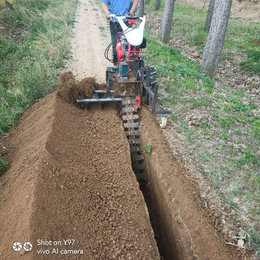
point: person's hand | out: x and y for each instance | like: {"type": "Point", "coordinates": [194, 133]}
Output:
{"type": "Point", "coordinates": [131, 12]}
{"type": "Point", "coordinates": [107, 16]}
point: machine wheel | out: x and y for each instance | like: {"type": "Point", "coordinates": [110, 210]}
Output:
{"type": "Point", "coordinates": [109, 82]}
{"type": "Point", "coordinates": [150, 82]}
{"type": "Point", "coordinates": [141, 63]}
{"type": "Point", "coordinates": [144, 93]}
{"type": "Point", "coordinates": [153, 80]}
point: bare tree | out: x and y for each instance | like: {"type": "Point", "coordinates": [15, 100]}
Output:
{"type": "Point", "coordinates": [216, 38]}
{"type": "Point", "coordinates": [209, 16]}
{"type": "Point", "coordinates": [165, 31]}
{"type": "Point", "coordinates": [157, 4]}
{"type": "Point", "coordinates": [140, 10]}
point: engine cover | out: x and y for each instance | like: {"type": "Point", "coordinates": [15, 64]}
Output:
{"type": "Point", "coordinates": [120, 51]}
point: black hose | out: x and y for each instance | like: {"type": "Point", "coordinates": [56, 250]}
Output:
{"type": "Point", "coordinates": [106, 53]}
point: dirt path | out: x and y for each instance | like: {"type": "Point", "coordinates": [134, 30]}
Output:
{"type": "Point", "coordinates": [245, 9]}
{"type": "Point", "coordinates": [91, 37]}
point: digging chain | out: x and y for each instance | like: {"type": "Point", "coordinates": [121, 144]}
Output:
{"type": "Point", "coordinates": [131, 126]}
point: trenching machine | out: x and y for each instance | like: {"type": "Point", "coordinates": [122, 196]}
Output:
{"type": "Point", "coordinates": [137, 84]}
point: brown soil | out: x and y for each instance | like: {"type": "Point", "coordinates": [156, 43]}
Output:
{"type": "Point", "coordinates": [70, 177]}
{"type": "Point", "coordinates": [91, 37]}
{"type": "Point", "coordinates": [245, 9]}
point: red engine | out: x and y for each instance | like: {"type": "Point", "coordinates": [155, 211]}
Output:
{"type": "Point", "coordinates": [127, 53]}
{"type": "Point", "coordinates": [120, 51]}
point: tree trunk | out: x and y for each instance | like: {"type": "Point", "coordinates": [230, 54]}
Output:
{"type": "Point", "coordinates": [140, 10]}
{"type": "Point", "coordinates": [165, 31]}
{"type": "Point", "coordinates": [209, 16]}
{"type": "Point", "coordinates": [216, 38]}
{"type": "Point", "coordinates": [157, 4]}
{"type": "Point", "coordinates": [147, 2]}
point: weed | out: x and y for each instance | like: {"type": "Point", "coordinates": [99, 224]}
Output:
{"type": "Point", "coordinates": [255, 126]}
{"type": "Point", "coordinates": [249, 157]}
{"type": "Point", "coordinates": [226, 122]}
{"type": "Point", "coordinates": [3, 164]}
{"type": "Point", "coordinates": [232, 150]}
{"type": "Point", "coordinates": [255, 241]}
{"type": "Point", "coordinates": [252, 63]}
{"type": "Point", "coordinates": [148, 148]}
{"type": "Point", "coordinates": [224, 135]}
{"type": "Point", "coordinates": [214, 113]}
{"type": "Point", "coordinates": [199, 36]}
{"type": "Point", "coordinates": [201, 101]}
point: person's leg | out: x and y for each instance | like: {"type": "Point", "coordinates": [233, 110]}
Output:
{"type": "Point", "coordinates": [113, 33]}
{"type": "Point", "coordinates": [114, 29]}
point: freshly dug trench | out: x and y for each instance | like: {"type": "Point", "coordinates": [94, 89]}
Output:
{"type": "Point", "coordinates": [70, 177]}
{"type": "Point", "coordinates": [185, 230]}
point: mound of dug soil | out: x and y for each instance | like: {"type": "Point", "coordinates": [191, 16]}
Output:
{"type": "Point", "coordinates": [70, 181]}
{"type": "Point", "coordinates": [69, 87]}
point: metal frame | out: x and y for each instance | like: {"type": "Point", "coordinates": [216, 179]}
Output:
{"type": "Point", "coordinates": [96, 99]}
{"type": "Point", "coordinates": [150, 94]}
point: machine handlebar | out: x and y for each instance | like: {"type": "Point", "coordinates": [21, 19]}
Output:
{"type": "Point", "coordinates": [128, 16]}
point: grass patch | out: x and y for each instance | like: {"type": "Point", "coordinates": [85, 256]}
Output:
{"type": "Point", "coordinates": [221, 123]}
{"type": "Point", "coordinates": [252, 63]}
{"type": "Point", "coordinates": [31, 56]}
{"type": "Point", "coordinates": [242, 35]}
{"type": "Point", "coordinates": [183, 72]}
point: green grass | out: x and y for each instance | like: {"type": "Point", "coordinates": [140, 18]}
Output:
{"type": "Point", "coordinates": [3, 164]}
{"type": "Point", "coordinates": [182, 71]}
{"type": "Point", "coordinates": [241, 34]}
{"type": "Point", "coordinates": [225, 134]}
{"type": "Point", "coordinates": [31, 57]}
{"type": "Point", "coordinates": [252, 62]}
